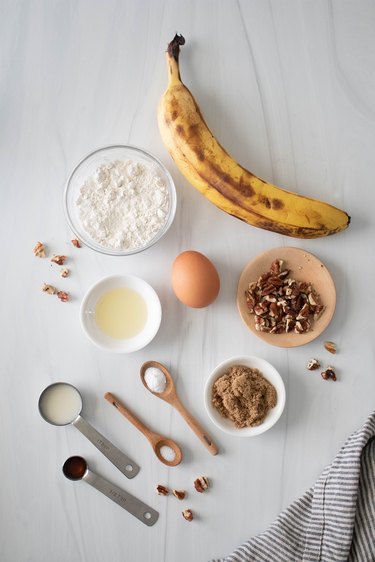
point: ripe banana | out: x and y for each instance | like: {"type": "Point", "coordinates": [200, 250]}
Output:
{"type": "Point", "coordinates": [232, 188]}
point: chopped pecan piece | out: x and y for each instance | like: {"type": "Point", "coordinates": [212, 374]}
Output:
{"type": "Point", "coordinates": [63, 296]}
{"type": "Point", "coordinates": [60, 260]}
{"type": "Point", "coordinates": [39, 250]}
{"type": "Point", "coordinates": [188, 514]}
{"type": "Point", "coordinates": [276, 266]}
{"type": "Point", "coordinates": [282, 304]}
{"type": "Point", "coordinates": [304, 312]}
{"type": "Point", "coordinates": [76, 243]}
{"type": "Point", "coordinates": [64, 272]}
{"type": "Point", "coordinates": [179, 494]}
{"type": "Point", "coordinates": [162, 490]}
{"type": "Point", "coordinates": [312, 365]}
{"type": "Point", "coordinates": [201, 484]}
{"type": "Point", "coordinates": [50, 289]}
{"type": "Point", "coordinates": [329, 373]}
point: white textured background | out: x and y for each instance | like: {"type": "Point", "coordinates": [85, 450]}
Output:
{"type": "Point", "coordinates": [289, 89]}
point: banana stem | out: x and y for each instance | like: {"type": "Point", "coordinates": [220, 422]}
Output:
{"type": "Point", "coordinates": [173, 52]}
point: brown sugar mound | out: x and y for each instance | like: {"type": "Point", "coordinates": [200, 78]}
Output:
{"type": "Point", "coordinates": [244, 396]}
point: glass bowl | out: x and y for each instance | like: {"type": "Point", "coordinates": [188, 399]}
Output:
{"type": "Point", "coordinates": [87, 167]}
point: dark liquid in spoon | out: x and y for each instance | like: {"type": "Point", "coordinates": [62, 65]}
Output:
{"type": "Point", "coordinates": [74, 468]}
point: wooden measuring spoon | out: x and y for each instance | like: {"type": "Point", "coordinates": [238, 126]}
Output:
{"type": "Point", "coordinates": [157, 441]}
{"type": "Point", "coordinates": [170, 395]}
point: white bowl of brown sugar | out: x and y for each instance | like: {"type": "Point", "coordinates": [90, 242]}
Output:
{"type": "Point", "coordinates": [244, 396]}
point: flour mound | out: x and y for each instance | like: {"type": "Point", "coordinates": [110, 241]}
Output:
{"type": "Point", "coordinates": [123, 205]}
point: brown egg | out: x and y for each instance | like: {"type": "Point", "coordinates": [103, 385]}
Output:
{"type": "Point", "coordinates": [195, 280]}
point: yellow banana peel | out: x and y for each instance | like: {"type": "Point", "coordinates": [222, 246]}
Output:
{"type": "Point", "coordinates": [224, 182]}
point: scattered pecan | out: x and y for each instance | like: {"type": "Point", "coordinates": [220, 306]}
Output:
{"type": "Point", "coordinates": [60, 260]}
{"type": "Point", "coordinates": [64, 272]}
{"type": "Point", "coordinates": [201, 484]}
{"type": "Point", "coordinates": [162, 490]}
{"type": "Point", "coordinates": [188, 514]}
{"type": "Point", "coordinates": [330, 346]}
{"type": "Point", "coordinates": [329, 373]}
{"type": "Point", "coordinates": [313, 364]}
{"type": "Point", "coordinates": [39, 250]}
{"type": "Point", "coordinates": [179, 494]}
{"type": "Point", "coordinates": [63, 296]}
{"type": "Point", "coordinates": [50, 289]}
{"type": "Point", "coordinates": [281, 304]}
{"type": "Point", "coordinates": [76, 243]}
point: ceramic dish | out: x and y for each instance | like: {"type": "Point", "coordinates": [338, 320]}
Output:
{"type": "Point", "coordinates": [87, 166]}
{"type": "Point", "coordinates": [303, 267]}
{"type": "Point", "coordinates": [101, 339]}
{"type": "Point", "coordinates": [269, 372]}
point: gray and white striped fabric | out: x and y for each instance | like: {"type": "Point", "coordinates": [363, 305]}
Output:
{"type": "Point", "coordinates": [334, 520]}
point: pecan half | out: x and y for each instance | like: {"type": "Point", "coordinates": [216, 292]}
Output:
{"type": "Point", "coordinates": [201, 484]}
{"type": "Point", "coordinates": [330, 346]}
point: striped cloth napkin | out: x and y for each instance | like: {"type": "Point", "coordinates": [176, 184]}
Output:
{"type": "Point", "coordinates": [334, 521]}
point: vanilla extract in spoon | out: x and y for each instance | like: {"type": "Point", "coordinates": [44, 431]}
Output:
{"type": "Point", "coordinates": [76, 468]}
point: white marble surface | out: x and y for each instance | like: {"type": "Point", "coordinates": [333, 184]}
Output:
{"type": "Point", "coordinates": [288, 87]}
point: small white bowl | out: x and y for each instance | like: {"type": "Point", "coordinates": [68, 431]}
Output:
{"type": "Point", "coordinates": [102, 340]}
{"type": "Point", "coordinates": [269, 372]}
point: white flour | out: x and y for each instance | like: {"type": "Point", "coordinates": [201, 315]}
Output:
{"type": "Point", "coordinates": [123, 204]}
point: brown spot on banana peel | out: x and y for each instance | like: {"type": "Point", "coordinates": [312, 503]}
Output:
{"type": "Point", "coordinates": [199, 153]}
{"type": "Point", "coordinates": [180, 130]}
{"type": "Point", "coordinates": [277, 204]}
{"type": "Point", "coordinates": [292, 231]}
{"type": "Point", "coordinates": [194, 130]}
{"type": "Point", "coordinates": [221, 180]}
{"type": "Point", "coordinates": [263, 200]}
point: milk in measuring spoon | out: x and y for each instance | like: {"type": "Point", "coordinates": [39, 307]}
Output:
{"type": "Point", "coordinates": [60, 404]}
{"type": "Point", "coordinates": [121, 313]}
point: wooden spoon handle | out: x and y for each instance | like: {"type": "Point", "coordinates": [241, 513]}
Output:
{"type": "Point", "coordinates": [130, 416]}
{"type": "Point", "coordinates": [196, 427]}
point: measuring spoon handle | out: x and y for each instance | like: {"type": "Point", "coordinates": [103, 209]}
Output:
{"type": "Point", "coordinates": [130, 503]}
{"type": "Point", "coordinates": [129, 415]}
{"type": "Point", "coordinates": [195, 426]}
{"type": "Point", "coordinates": [125, 464]}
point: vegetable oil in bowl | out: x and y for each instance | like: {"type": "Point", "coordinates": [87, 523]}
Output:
{"type": "Point", "coordinates": [121, 313]}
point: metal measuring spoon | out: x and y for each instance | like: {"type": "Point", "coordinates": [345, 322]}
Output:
{"type": "Point", "coordinates": [76, 468]}
{"type": "Point", "coordinates": [61, 404]}
{"type": "Point", "coordinates": [157, 441]}
{"type": "Point", "coordinates": [170, 395]}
